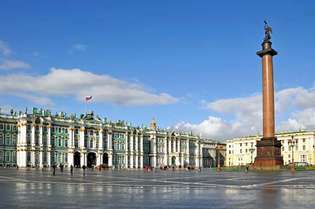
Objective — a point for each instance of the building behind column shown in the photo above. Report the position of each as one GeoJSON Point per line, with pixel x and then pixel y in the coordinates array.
{"type": "Point", "coordinates": [41, 139]}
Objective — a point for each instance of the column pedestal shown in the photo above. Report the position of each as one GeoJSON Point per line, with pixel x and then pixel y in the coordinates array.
{"type": "Point", "coordinates": [268, 154]}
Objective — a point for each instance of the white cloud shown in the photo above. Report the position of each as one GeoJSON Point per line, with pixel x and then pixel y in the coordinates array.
{"type": "Point", "coordinates": [79, 47]}
{"type": "Point", "coordinates": [294, 107]}
{"type": "Point", "coordinates": [7, 63]}
{"type": "Point", "coordinates": [10, 64]}
{"type": "Point", "coordinates": [4, 49]}
{"type": "Point", "coordinates": [78, 83]}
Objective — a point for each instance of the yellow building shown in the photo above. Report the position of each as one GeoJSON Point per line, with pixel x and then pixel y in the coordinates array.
{"type": "Point", "coordinates": [298, 147]}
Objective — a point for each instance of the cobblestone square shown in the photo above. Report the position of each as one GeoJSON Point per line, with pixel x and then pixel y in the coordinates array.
{"type": "Point", "coordinates": [159, 189]}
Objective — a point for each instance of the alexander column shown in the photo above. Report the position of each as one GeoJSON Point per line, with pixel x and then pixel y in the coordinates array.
{"type": "Point", "coordinates": [269, 148]}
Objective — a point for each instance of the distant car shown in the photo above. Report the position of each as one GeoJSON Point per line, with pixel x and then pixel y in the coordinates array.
{"type": "Point", "coordinates": [301, 164]}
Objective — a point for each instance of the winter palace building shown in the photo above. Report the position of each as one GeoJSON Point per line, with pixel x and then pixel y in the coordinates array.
{"type": "Point", "coordinates": [40, 139]}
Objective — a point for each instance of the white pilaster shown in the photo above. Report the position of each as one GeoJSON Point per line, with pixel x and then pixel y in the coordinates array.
{"type": "Point", "coordinates": [131, 152]}
{"type": "Point", "coordinates": [40, 159]}
{"type": "Point", "coordinates": [136, 151]}
{"type": "Point", "coordinates": [32, 158]}
{"type": "Point", "coordinates": [110, 160]}
{"type": "Point", "coordinates": [126, 150]}
{"type": "Point", "coordinates": [141, 151]}
{"type": "Point", "coordinates": [82, 139]}
{"type": "Point", "coordinates": [48, 159]}
{"type": "Point", "coordinates": [33, 135]}
{"type": "Point", "coordinates": [109, 140]}
{"type": "Point", "coordinates": [165, 151]}
{"type": "Point", "coordinates": [169, 146]}
{"type": "Point", "coordinates": [98, 159]}
{"type": "Point", "coordinates": [48, 135]}
{"type": "Point", "coordinates": [83, 159]}
{"type": "Point", "coordinates": [70, 159]}
{"type": "Point", "coordinates": [100, 139]}
{"type": "Point", "coordinates": [40, 139]}
{"type": "Point", "coordinates": [197, 155]}
{"type": "Point", "coordinates": [153, 151]}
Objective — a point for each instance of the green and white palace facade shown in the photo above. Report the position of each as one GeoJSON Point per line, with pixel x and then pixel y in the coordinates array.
{"type": "Point", "coordinates": [40, 139]}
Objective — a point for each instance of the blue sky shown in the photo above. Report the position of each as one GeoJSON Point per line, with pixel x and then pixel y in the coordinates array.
{"type": "Point", "coordinates": [190, 64]}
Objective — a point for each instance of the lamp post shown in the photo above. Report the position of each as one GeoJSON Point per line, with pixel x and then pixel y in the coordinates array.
{"type": "Point", "coordinates": [292, 143]}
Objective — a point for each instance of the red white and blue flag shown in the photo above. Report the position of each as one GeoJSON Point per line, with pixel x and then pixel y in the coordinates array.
{"type": "Point", "coordinates": [88, 98]}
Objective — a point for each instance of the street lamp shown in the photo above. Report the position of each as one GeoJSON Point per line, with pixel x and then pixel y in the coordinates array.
{"type": "Point", "coordinates": [292, 143]}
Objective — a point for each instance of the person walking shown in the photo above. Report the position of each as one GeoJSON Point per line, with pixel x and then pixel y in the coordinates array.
{"type": "Point", "coordinates": [54, 170]}
{"type": "Point", "coordinates": [71, 170]}
{"type": "Point", "coordinates": [83, 167]}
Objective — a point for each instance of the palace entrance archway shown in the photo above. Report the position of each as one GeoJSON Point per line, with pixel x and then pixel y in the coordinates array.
{"type": "Point", "coordinates": [91, 159]}
{"type": "Point", "coordinates": [173, 161]}
{"type": "Point", "coordinates": [105, 159]}
{"type": "Point", "coordinates": [77, 159]}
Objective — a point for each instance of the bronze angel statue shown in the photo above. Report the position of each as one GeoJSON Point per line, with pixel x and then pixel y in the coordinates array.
{"type": "Point", "coordinates": [268, 31]}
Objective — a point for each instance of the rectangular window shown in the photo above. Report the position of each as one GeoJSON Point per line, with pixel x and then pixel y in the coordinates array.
{"type": "Point", "coordinates": [7, 156]}
{"type": "Point", "coordinates": [1, 126]}
{"type": "Point", "coordinates": [1, 156]}
{"type": "Point", "coordinates": [13, 156]}
{"type": "Point", "coordinates": [13, 139]}
{"type": "Point", "coordinates": [8, 139]}
{"type": "Point", "coordinates": [1, 139]}
{"type": "Point", "coordinates": [8, 127]}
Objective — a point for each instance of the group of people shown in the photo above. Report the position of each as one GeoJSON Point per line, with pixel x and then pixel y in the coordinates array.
{"type": "Point", "coordinates": [61, 166]}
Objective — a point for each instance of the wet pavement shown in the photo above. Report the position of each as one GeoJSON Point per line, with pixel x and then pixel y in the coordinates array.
{"type": "Point", "coordinates": [160, 189]}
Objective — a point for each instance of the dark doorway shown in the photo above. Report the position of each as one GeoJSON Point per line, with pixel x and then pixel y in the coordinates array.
{"type": "Point", "coordinates": [173, 160]}
{"type": "Point", "coordinates": [76, 159]}
{"type": "Point", "coordinates": [105, 159]}
{"type": "Point", "coordinates": [91, 160]}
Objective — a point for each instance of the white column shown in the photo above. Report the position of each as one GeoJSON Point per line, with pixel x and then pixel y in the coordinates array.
{"type": "Point", "coordinates": [83, 159]}
{"type": "Point", "coordinates": [48, 159]}
{"type": "Point", "coordinates": [48, 135]}
{"type": "Point", "coordinates": [141, 151]}
{"type": "Point", "coordinates": [200, 156]}
{"type": "Point", "coordinates": [33, 135]}
{"type": "Point", "coordinates": [98, 159]}
{"type": "Point", "coordinates": [40, 159]}
{"type": "Point", "coordinates": [165, 152]}
{"type": "Point", "coordinates": [109, 141]}
{"type": "Point", "coordinates": [100, 139]}
{"type": "Point", "coordinates": [70, 158]}
{"type": "Point", "coordinates": [70, 134]}
{"type": "Point", "coordinates": [22, 134]}
{"type": "Point", "coordinates": [21, 158]}
{"type": "Point", "coordinates": [40, 139]}
{"type": "Point", "coordinates": [187, 151]}
{"type": "Point", "coordinates": [131, 150]}
{"type": "Point", "coordinates": [82, 138]}
{"type": "Point", "coordinates": [110, 159]}
{"type": "Point", "coordinates": [126, 150]}
{"type": "Point", "coordinates": [153, 151]}
{"type": "Point", "coordinates": [136, 150]}
{"type": "Point", "coordinates": [169, 146]}
{"type": "Point", "coordinates": [181, 154]}
{"type": "Point", "coordinates": [32, 158]}
{"type": "Point", "coordinates": [197, 154]}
